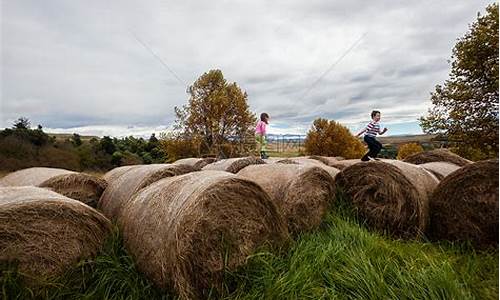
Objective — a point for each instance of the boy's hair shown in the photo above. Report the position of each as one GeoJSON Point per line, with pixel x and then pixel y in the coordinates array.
{"type": "Point", "coordinates": [264, 117]}
{"type": "Point", "coordinates": [374, 113]}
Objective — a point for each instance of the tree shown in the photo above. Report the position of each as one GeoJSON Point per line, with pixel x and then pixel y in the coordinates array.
{"type": "Point", "coordinates": [76, 140]}
{"type": "Point", "coordinates": [408, 149]}
{"type": "Point", "coordinates": [217, 112]}
{"type": "Point", "coordinates": [465, 108]}
{"type": "Point", "coordinates": [330, 138]}
{"type": "Point", "coordinates": [22, 123]}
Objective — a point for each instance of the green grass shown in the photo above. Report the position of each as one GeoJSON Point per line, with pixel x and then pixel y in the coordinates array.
{"type": "Point", "coordinates": [340, 260]}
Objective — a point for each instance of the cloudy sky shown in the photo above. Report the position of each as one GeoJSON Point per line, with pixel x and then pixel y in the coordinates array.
{"type": "Point", "coordinates": [83, 66]}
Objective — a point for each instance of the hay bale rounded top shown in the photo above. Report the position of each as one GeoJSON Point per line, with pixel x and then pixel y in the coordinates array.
{"type": "Point", "coordinates": [32, 176]}
{"type": "Point", "coordinates": [79, 186]}
{"type": "Point", "coordinates": [197, 163]}
{"type": "Point", "coordinates": [464, 206]}
{"type": "Point", "coordinates": [341, 164]}
{"type": "Point", "coordinates": [113, 174]}
{"type": "Point", "coordinates": [325, 159]}
{"type": "Point", "coordinates": [440, 169]}
{"type": "Point", "coordinates": [310, 162]}
{"type": "Point", "coordinates": [437, 155]}
{"type": "Point", "coordinates": [47, 233]}
{"type": "Point", "coordinates": [302, 192]}
{"type": "Point", "coordinates": [391, 196]}
{"type": "Point", "coordinates": [233, 165]}
{"type": "Point", "coordinates": [123, 188]}
{"type": "Point", "coordinates": [186, 231]}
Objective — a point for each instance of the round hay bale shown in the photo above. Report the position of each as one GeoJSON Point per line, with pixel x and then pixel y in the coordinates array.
{"type": "Point", "coordinates": [197, 163]}
{"type": "Point", "coordinates": [437, 155]}
{"type": "Point", "coordinates": [123, 188]}
{"type": "Point", "coordinates": [464, 206]}
{"type": "Point", "coordinates": [440, 169]}
{"type": "Point", "coordinates": [273, 160]}
{"type": "Point", "coordinates": [390, 196]}
{"type": "Point", "coordinates": [79, 186]}
{"type": "Point", "coordinates": [32, 176]}
{"type": "Point", "coordinates": [113, 174]}
{"type": "Point", "coordinates": [184, 232]}
{"type": "Point", "coordinates": [233, 165]}
{"type": "Point", "coordinates": [342, 164]}
{"type": "Point", "coordinates": [324, 159]}
{"type": "Point", "coordinates": [45, 233]}
{"type": "Point", "coordinates": [310, 162]}
{"type": "Point", "coordinates": [303, 193]}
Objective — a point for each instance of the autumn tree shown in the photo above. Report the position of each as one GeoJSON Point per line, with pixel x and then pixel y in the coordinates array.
{"type": "Point", "coordinates": [217, 113]}
{"type": "Point", "coordinates": [465, 108]}
{"type": "Point", "coordinates": [330, 138]}
{"type": "Point", "coordinates": [406, 150]}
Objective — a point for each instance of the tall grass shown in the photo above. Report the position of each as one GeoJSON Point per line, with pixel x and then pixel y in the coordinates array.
{"type": "Point", "coordinates": [340, 260]}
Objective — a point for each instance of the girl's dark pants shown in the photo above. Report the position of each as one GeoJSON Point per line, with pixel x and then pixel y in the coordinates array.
{"type": "Point", "coordinates": [374, 147]}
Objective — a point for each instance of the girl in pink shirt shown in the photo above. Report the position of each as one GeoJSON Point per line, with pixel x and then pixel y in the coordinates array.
{"type": "Point", "coordinates": [260, 134]}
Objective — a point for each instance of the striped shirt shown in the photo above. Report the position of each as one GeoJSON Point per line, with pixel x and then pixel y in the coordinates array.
{"type": "Point", "coordinates": [373, 128]}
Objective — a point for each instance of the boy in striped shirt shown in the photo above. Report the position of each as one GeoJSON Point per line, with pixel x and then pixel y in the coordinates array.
{"type": "Point", "coordinates": [371, 130]}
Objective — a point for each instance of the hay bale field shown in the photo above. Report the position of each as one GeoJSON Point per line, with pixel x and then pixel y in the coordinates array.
{"type": "Point", "coordinates": [115, 173]}
{"type": "Point", "coordinates": [79, 186]}
{"type": "Point", "coordinates": [325, 159]}
{"type": "Point", "coordinates": [390, 196]}
{"type": "Point", "coordinates": [440, 169]}
{"type": "Point", "coordinates": [233, 165]}
{"type": "Point", "coordinates": [464, 206]}
{"type": "Point", "coordinates": [303, 193]}
{"type": "Point", "coordinates": [123, 188]}
{"type": "Point", "coordinates": [185, 231]}
{"type": "Point", "coordinates": [197, 163]}
{"type": "Point", "coordinates": [437, 155]}
{"type": "Point", "coordinates": [46, 233]}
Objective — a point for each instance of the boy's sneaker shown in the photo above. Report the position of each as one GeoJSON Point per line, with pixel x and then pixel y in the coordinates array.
{"type": "Point", "coordinates": [373, 158]}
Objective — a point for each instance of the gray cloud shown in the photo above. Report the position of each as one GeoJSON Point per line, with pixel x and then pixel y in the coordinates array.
{"type": "Point", "coordinates": [72, 64]}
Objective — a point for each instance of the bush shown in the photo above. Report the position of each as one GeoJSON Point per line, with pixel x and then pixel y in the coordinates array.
{"type": "Point", "coordinates": [409, 149]}
{"type": "Point", "coordinates": [177, 147]}
{"type": "Point", "coordinates": [330, 138]}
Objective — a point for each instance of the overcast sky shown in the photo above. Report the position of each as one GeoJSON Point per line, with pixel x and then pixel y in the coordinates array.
{"type": "Point", "coordinates": [79, 66]}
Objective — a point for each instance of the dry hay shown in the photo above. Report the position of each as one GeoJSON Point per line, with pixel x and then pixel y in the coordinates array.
{"type": "Point", "coordinates": [464, 206]}
{"type": "Point", "coordinates": [185, 231]}
{"type": "Point", "coordinates": [113, 174]}
{"type": "Point", "coordinates": [45, 233]}
{"type": "Point", "coordinates": [342, 164]}
{"type": "Point", "coordinates": [325, 159]}
{"type": "Point", "coordinates": [310, 162]}
{"type": "Point", "coordinates": [32, 176]}
{"type": "Point", "coordinates": [302, 192]}
{"type": "Point", "coordinates": [440, 169]}
{"type": "Point", "coordinates": [233, 165]}
{"type": "Point", "coordinates": [437, 155]}
{"type": "Point", "coordinates": [390, 196]}
{"type": "Point", "coordinates": [79, 186]}
{"type": "Point", "coordinates": [273, 160]}
{"type": "Point", "coordinates": [132, 181]}
{"type": "Point", "coordinates": [197, 163]}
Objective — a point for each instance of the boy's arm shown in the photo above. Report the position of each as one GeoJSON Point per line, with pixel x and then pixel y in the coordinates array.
{"type": "Point", "coordinates": [383, 131]}
{"type": "Point", "coordinates": [361, 132]}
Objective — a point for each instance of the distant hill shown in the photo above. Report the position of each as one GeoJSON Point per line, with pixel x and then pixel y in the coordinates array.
{"type": "Point", "coordinates": [65, 136]}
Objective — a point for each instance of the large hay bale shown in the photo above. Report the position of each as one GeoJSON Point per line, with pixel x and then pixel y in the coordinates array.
{"type": "Point", "coordinates": [440, 169]}
{"type": "Point", "coordinates": [302, 192]}
{"type": "Point", "coordinates": [310, 162]}
{"type": "Point", "coordinates": [325, 159]}
{"type": "Point", "coordinates": [390, 196]}
{"type": "Point", "coordinates": [123, 188]}
{"type": "Point", "coordinates": [437, 155]}
{"type": "Point", "coordinates": [115, 173]}
{"type": "Point", "coordinates": [197, 163]}
{"type": "Point", "coordinates": [185, 231]}
{"type": "Point", "coordinates": [79, 186]}
{"type": "Point", "coordinates": [342, 164]}
{"type": "Point", "coordinates": [45, 233]}
{"type": "Point", "coordinates": [233, 165]}
{"type": "Point", "coordinates": [464, 206]}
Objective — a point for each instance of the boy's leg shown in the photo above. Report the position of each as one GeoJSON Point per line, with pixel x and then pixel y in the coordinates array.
{"type": "Point", "coordinates": [376, 151]}
{"type": "Point", "coordinates": [369, 141]}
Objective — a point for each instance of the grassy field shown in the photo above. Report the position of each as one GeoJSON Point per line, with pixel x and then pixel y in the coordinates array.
{"type": "Point", "coordinates": [340, 260]}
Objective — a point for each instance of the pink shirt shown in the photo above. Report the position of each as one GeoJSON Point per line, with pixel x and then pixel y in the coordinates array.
{"type": "Point", "coordinates": [261, 128]}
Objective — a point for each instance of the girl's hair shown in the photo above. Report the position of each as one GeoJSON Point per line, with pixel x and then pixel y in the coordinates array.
{"type": "Point", "coordinates": [264, 117]}
{"type": "Point", "coordinates": [374, 113]}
